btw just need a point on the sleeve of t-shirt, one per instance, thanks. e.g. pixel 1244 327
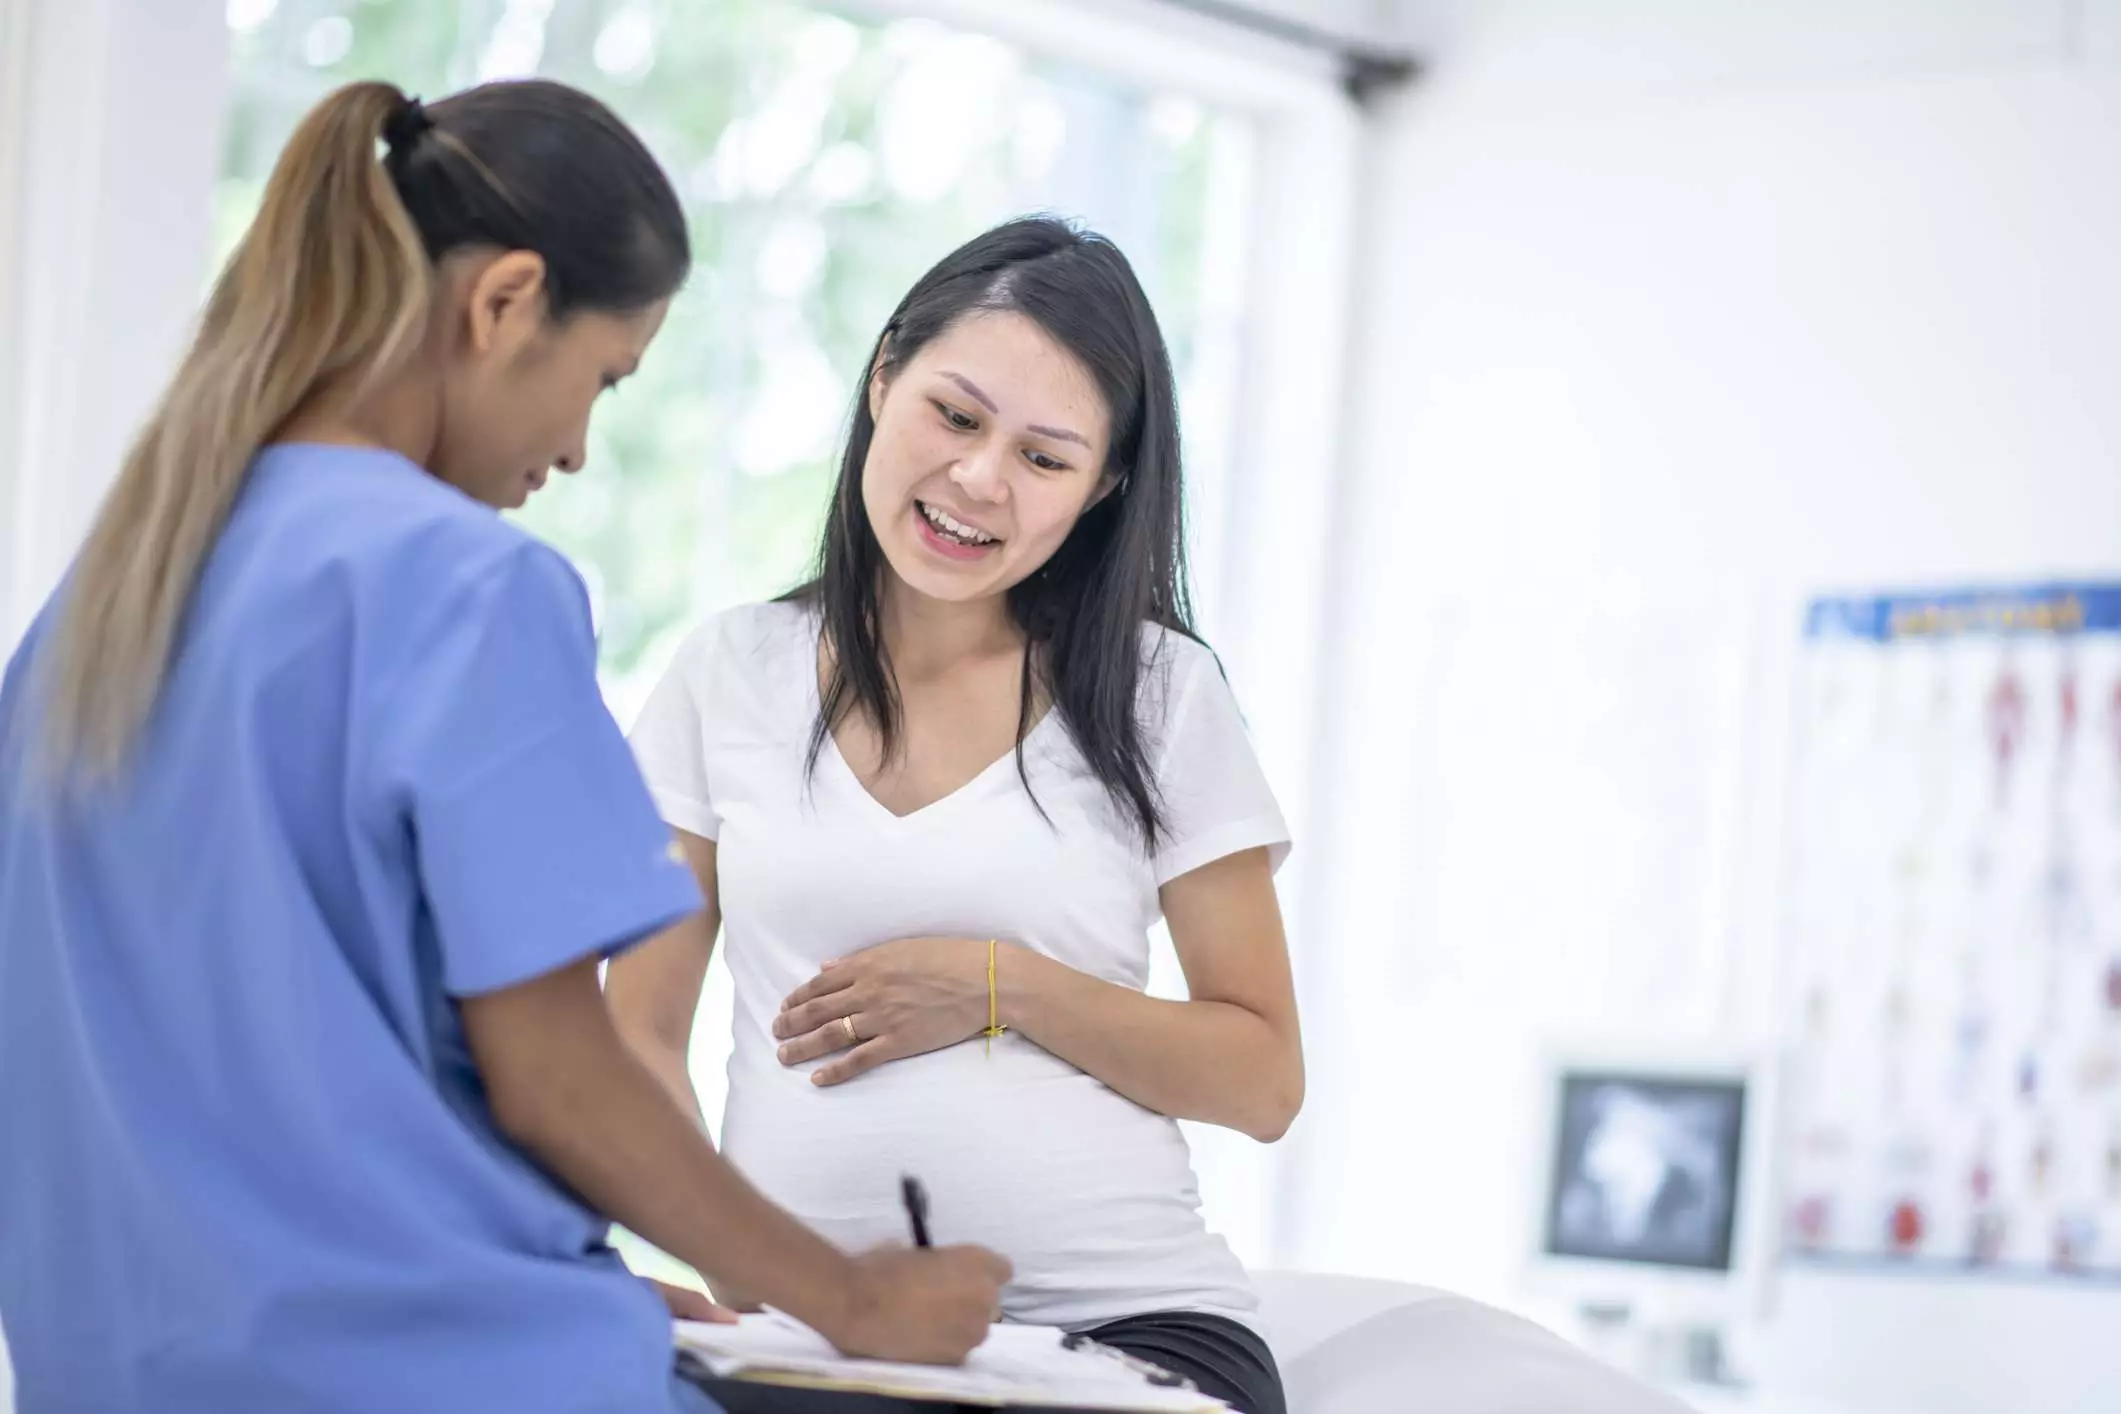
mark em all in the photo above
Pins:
pixel 536 842
pixel 669 738
pixel 1216 798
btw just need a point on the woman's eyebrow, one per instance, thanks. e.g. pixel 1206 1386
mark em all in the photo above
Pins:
pixel 972 388
pixel 1059 434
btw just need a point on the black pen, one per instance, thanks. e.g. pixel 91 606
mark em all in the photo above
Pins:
pixel 915 1198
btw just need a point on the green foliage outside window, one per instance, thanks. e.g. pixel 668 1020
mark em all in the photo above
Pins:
pixel 824 163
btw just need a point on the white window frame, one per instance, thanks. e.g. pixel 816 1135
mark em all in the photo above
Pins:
pixel 110 127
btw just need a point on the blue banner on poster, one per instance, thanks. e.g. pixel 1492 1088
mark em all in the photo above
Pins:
pixel 2038 608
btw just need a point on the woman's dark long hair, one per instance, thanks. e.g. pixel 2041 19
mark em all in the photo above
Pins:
pixel 1121 568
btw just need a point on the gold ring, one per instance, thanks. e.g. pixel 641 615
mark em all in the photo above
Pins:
pixel 854 1037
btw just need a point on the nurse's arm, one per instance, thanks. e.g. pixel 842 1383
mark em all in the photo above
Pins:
pixel 654 989
pixel 564 1086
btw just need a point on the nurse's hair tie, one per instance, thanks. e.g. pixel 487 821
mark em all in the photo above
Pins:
pixel 406 126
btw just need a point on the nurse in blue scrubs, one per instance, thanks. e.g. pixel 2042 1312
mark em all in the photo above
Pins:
pixel 313 831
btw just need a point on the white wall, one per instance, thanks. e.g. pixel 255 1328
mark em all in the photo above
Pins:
pixel 1673 314
pixel 105 255
pixel 14 84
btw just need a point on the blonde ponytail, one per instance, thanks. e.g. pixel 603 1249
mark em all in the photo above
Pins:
pixel 331 283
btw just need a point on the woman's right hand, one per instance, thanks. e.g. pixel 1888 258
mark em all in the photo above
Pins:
pixel 922 1305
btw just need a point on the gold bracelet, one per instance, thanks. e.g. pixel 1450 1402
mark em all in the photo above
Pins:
pixel 994 1026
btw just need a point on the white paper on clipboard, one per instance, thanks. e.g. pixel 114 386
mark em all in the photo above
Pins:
pixel 1015 1365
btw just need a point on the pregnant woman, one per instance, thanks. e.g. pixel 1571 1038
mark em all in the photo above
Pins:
pixel 939 796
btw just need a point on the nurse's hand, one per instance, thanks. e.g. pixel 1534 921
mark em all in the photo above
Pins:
pixel 885 1003
pixel 688 1305
pixel 928 1305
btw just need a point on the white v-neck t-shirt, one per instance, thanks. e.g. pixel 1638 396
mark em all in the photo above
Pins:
pixel 1089 1195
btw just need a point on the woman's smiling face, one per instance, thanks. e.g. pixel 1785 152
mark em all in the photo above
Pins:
pixel 990 443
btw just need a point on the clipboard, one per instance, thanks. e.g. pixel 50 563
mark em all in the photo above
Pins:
pixel 1016 1367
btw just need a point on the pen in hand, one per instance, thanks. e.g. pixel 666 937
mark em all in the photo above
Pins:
pixel 915 1198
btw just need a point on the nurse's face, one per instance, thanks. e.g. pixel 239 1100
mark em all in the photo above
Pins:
pixel 517 387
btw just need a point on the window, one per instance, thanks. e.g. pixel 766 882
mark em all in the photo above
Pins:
pixel 824 163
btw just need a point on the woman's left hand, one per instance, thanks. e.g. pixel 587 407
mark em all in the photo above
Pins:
pixel 885 1003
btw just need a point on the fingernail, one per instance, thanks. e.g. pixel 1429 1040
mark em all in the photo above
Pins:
pixel 784 1055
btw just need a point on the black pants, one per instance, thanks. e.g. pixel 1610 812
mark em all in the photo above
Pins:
pixel 1223 1358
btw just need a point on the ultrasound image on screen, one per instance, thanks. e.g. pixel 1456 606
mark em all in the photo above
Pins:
pixel 1646 1170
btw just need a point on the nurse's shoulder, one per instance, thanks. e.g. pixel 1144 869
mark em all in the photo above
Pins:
pixel 367 536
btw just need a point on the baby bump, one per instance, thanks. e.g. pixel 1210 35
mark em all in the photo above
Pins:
pixel 1020 1152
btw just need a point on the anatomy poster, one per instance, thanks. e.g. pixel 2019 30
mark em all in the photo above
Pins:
pixel 1954 1097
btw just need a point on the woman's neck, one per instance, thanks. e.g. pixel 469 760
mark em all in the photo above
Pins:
pixel 927 638
pixel 400 416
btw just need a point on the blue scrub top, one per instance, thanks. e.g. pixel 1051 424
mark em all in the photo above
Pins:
pixel 247 1163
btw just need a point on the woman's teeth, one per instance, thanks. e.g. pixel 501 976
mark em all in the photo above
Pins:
pixel 950 527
